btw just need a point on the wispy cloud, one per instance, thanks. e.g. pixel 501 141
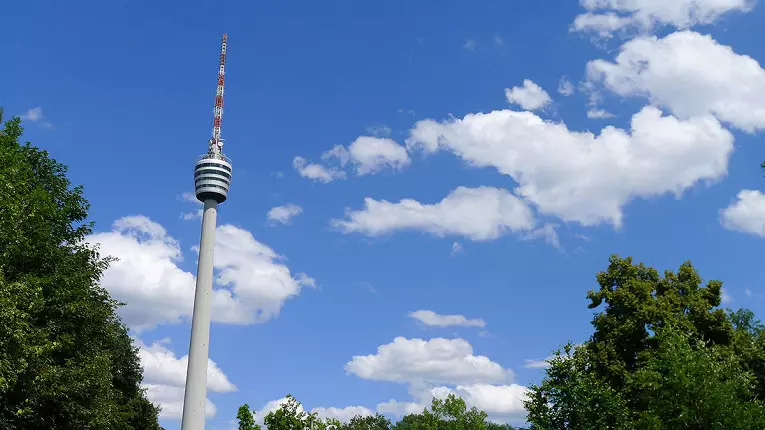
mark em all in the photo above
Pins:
pixel 36 115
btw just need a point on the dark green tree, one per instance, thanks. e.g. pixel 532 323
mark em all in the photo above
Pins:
pixel 66 360
pixel 662 356
pixel 369 422
pixel 246 418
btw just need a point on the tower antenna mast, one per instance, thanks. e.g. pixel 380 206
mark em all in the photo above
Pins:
pixel 212 179
pixel 216 143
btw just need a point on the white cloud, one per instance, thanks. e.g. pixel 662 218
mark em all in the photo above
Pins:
pixel 565 87
pixel 456 248
pixel 260 285
pixel 604 25
pixel 538 364
pixel 171 400
pixel 342 414
pixel 469 45
pixel 34 114
pixel 546 232
pixel 482 213
pixel 501 402
pixel 599 114
pixel 530 96
pixel 316 172
pixel 191 198
pixel 165 378
pixel 436 361
pixel 608 16
pixel 156 290
pixel 576 176
pixel 691 75
pixel 161 366
pixel 370 155
pixel 399 409
pixel 283 214
pixel 725 297
pixel 495 400
pixel 433 319
pixel 746 214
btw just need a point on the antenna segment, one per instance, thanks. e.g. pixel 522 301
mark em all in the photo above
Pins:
pixel 216 143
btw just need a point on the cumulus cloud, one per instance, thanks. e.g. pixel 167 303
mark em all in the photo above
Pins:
pixel 431 318
pixel 478 214
pixel 342 414
pixel 530 96
pixel 367 154
pixel 691 75
pixel 399 409
pixel 284 214
pixel 576 176
pixel 437 361
pixel 316 172
pixel 370 155
pixel 606 17
pixel 251 283
pixel 746 214
pixel 164 377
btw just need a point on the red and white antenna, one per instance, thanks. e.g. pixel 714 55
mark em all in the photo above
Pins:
pixel 216 143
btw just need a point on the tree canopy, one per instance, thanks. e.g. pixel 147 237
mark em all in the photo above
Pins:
pixel 450 413
pixel 663 355
pixel 66 360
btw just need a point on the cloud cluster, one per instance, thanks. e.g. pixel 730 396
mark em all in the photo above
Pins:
pixel 690 74
pixel 367 155
pixel 579 176
pixel 164 377
pixel 252 284
pixel 479 214
pixel 608 17
pixel 437 368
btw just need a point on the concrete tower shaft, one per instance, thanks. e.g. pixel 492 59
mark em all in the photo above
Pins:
pixel 212 179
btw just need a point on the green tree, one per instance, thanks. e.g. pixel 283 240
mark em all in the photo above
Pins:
pixel 369 422
pixel 246 418
pixel 66 360
pixel 289 416
pixel 662 356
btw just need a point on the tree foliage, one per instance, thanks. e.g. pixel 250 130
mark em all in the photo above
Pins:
pixel 450 413
pixel 66 360
pixel 662 356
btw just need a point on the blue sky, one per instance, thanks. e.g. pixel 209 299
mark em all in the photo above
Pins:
pixel 506 215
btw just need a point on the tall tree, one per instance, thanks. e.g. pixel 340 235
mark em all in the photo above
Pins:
pixel 662 356
pixel 246 418
pixel 66 360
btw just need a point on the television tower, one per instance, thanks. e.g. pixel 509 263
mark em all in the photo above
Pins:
pixel 212 178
